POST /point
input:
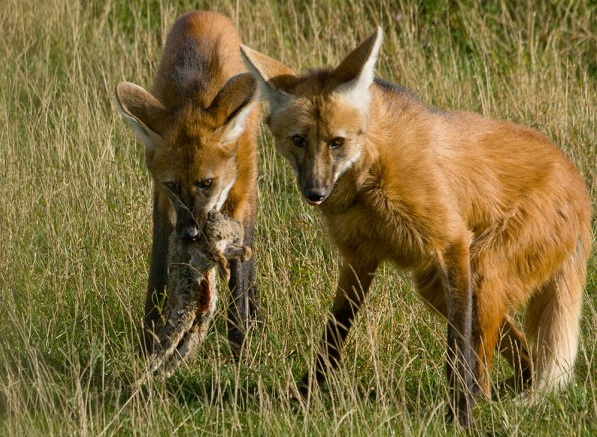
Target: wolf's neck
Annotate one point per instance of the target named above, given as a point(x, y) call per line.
point(396, 135)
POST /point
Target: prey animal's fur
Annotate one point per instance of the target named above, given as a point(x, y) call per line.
point(191, 292)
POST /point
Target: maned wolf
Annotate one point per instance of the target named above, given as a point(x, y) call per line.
point(199, 127)
point(487, 215)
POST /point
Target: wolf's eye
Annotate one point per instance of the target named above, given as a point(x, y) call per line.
point(204, 183)
point(172, 186)
point(299, 141)
point(336, 143)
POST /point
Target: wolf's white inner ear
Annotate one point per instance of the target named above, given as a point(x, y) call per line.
point(265, 70)
point(145, 113)
point(236, 125)
point(357, 72)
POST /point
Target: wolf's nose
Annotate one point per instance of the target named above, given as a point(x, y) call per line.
point(189, 233)
point(314, 195)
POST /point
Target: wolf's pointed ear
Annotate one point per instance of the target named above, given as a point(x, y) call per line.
point(357, 71)
point(268, 73)
point(144, 112)
point(233, 104)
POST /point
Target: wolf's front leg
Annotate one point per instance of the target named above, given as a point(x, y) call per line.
point(242, 289)
point(461, 363)
point(355, 280)
point(243, 307)
point(158, 272)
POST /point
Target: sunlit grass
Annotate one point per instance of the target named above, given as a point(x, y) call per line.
point(75, 213)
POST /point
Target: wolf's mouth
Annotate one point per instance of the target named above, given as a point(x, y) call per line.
point(315, 196)
point(314, 202)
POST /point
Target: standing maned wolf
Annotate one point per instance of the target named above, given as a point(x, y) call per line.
point(487, 215)
point(199, 127)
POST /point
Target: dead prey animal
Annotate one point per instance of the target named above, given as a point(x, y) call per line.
point(191, 293)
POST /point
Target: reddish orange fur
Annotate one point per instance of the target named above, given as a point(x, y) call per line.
point(199, 126)
point(466, 203)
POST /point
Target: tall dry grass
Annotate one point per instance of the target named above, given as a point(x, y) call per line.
point(75, 221)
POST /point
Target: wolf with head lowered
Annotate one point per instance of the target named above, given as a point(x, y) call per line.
point(488, 216)
point(199, 126)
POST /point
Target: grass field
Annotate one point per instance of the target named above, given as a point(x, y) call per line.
point(75, 221)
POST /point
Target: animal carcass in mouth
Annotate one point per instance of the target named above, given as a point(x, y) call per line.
point(192, 292)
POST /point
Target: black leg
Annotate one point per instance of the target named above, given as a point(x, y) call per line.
point(244, 306)
point(355, 279)
point(239, 309)
point(460, 364)
point(158, 272)
point(254, 310)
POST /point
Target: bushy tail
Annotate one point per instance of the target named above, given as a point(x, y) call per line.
point(552, 321)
